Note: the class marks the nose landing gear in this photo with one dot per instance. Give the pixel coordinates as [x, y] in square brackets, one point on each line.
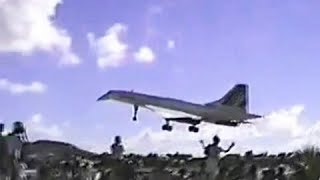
[135, 111]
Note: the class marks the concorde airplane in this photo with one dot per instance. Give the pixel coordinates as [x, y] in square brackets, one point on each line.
[230, 110]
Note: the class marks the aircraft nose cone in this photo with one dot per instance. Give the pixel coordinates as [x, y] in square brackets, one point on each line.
[104, 97]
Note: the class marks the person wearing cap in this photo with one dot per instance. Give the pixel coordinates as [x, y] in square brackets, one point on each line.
[212, 152]
[117, 148]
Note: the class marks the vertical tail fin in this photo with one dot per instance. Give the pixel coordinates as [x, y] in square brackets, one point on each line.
[237, 96]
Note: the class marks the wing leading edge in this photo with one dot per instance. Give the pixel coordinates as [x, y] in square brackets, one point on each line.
[170, 114]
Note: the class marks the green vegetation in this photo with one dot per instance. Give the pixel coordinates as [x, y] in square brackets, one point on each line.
[311, 158]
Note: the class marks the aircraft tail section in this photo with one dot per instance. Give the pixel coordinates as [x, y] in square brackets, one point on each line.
[237, 96]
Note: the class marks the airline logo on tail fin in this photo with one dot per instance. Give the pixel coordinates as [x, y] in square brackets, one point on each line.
[237, 96]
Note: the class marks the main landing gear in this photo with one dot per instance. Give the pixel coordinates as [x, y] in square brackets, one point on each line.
[167, 127]
[193, 129]
[135, 111]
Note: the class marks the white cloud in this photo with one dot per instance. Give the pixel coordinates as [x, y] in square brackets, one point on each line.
[144, 55]
[27, 26]
[110, 50]
[282, 130]
[18, 88]
[285, 121]
[171, 44]
[38, 128]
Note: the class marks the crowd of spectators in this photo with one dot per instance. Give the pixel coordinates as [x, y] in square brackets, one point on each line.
[117, 165]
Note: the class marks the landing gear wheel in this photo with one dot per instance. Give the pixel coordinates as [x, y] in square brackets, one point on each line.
[190, 128]
[134, 118]
[193, 129]
[166, 127]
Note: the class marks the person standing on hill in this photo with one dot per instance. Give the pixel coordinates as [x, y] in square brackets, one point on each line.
[212, 152]
[117, 149]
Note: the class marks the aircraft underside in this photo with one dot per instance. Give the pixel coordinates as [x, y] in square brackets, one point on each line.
[167, 126]
[193, 122]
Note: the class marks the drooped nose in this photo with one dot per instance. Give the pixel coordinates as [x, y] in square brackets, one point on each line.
[106, 96]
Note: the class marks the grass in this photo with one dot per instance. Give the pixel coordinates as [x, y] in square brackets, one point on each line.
[311, 158]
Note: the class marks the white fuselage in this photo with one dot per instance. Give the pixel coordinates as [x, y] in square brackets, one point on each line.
[211, 113]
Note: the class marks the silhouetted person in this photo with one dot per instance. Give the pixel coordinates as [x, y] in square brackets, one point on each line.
[212, 152]
[249, 155]
[20, 131]
[1, 129]
[5, 168]
[14, 146]
[117, 148]
[280, 175]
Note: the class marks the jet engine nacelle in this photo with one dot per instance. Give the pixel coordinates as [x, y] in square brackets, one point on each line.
[228, 123]
[187, 120]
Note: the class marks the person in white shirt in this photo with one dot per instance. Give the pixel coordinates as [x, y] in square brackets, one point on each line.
[212, 152]
[14, 146]
[117, 148]
[10, 147]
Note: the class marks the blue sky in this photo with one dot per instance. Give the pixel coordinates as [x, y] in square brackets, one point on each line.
[271, 45]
